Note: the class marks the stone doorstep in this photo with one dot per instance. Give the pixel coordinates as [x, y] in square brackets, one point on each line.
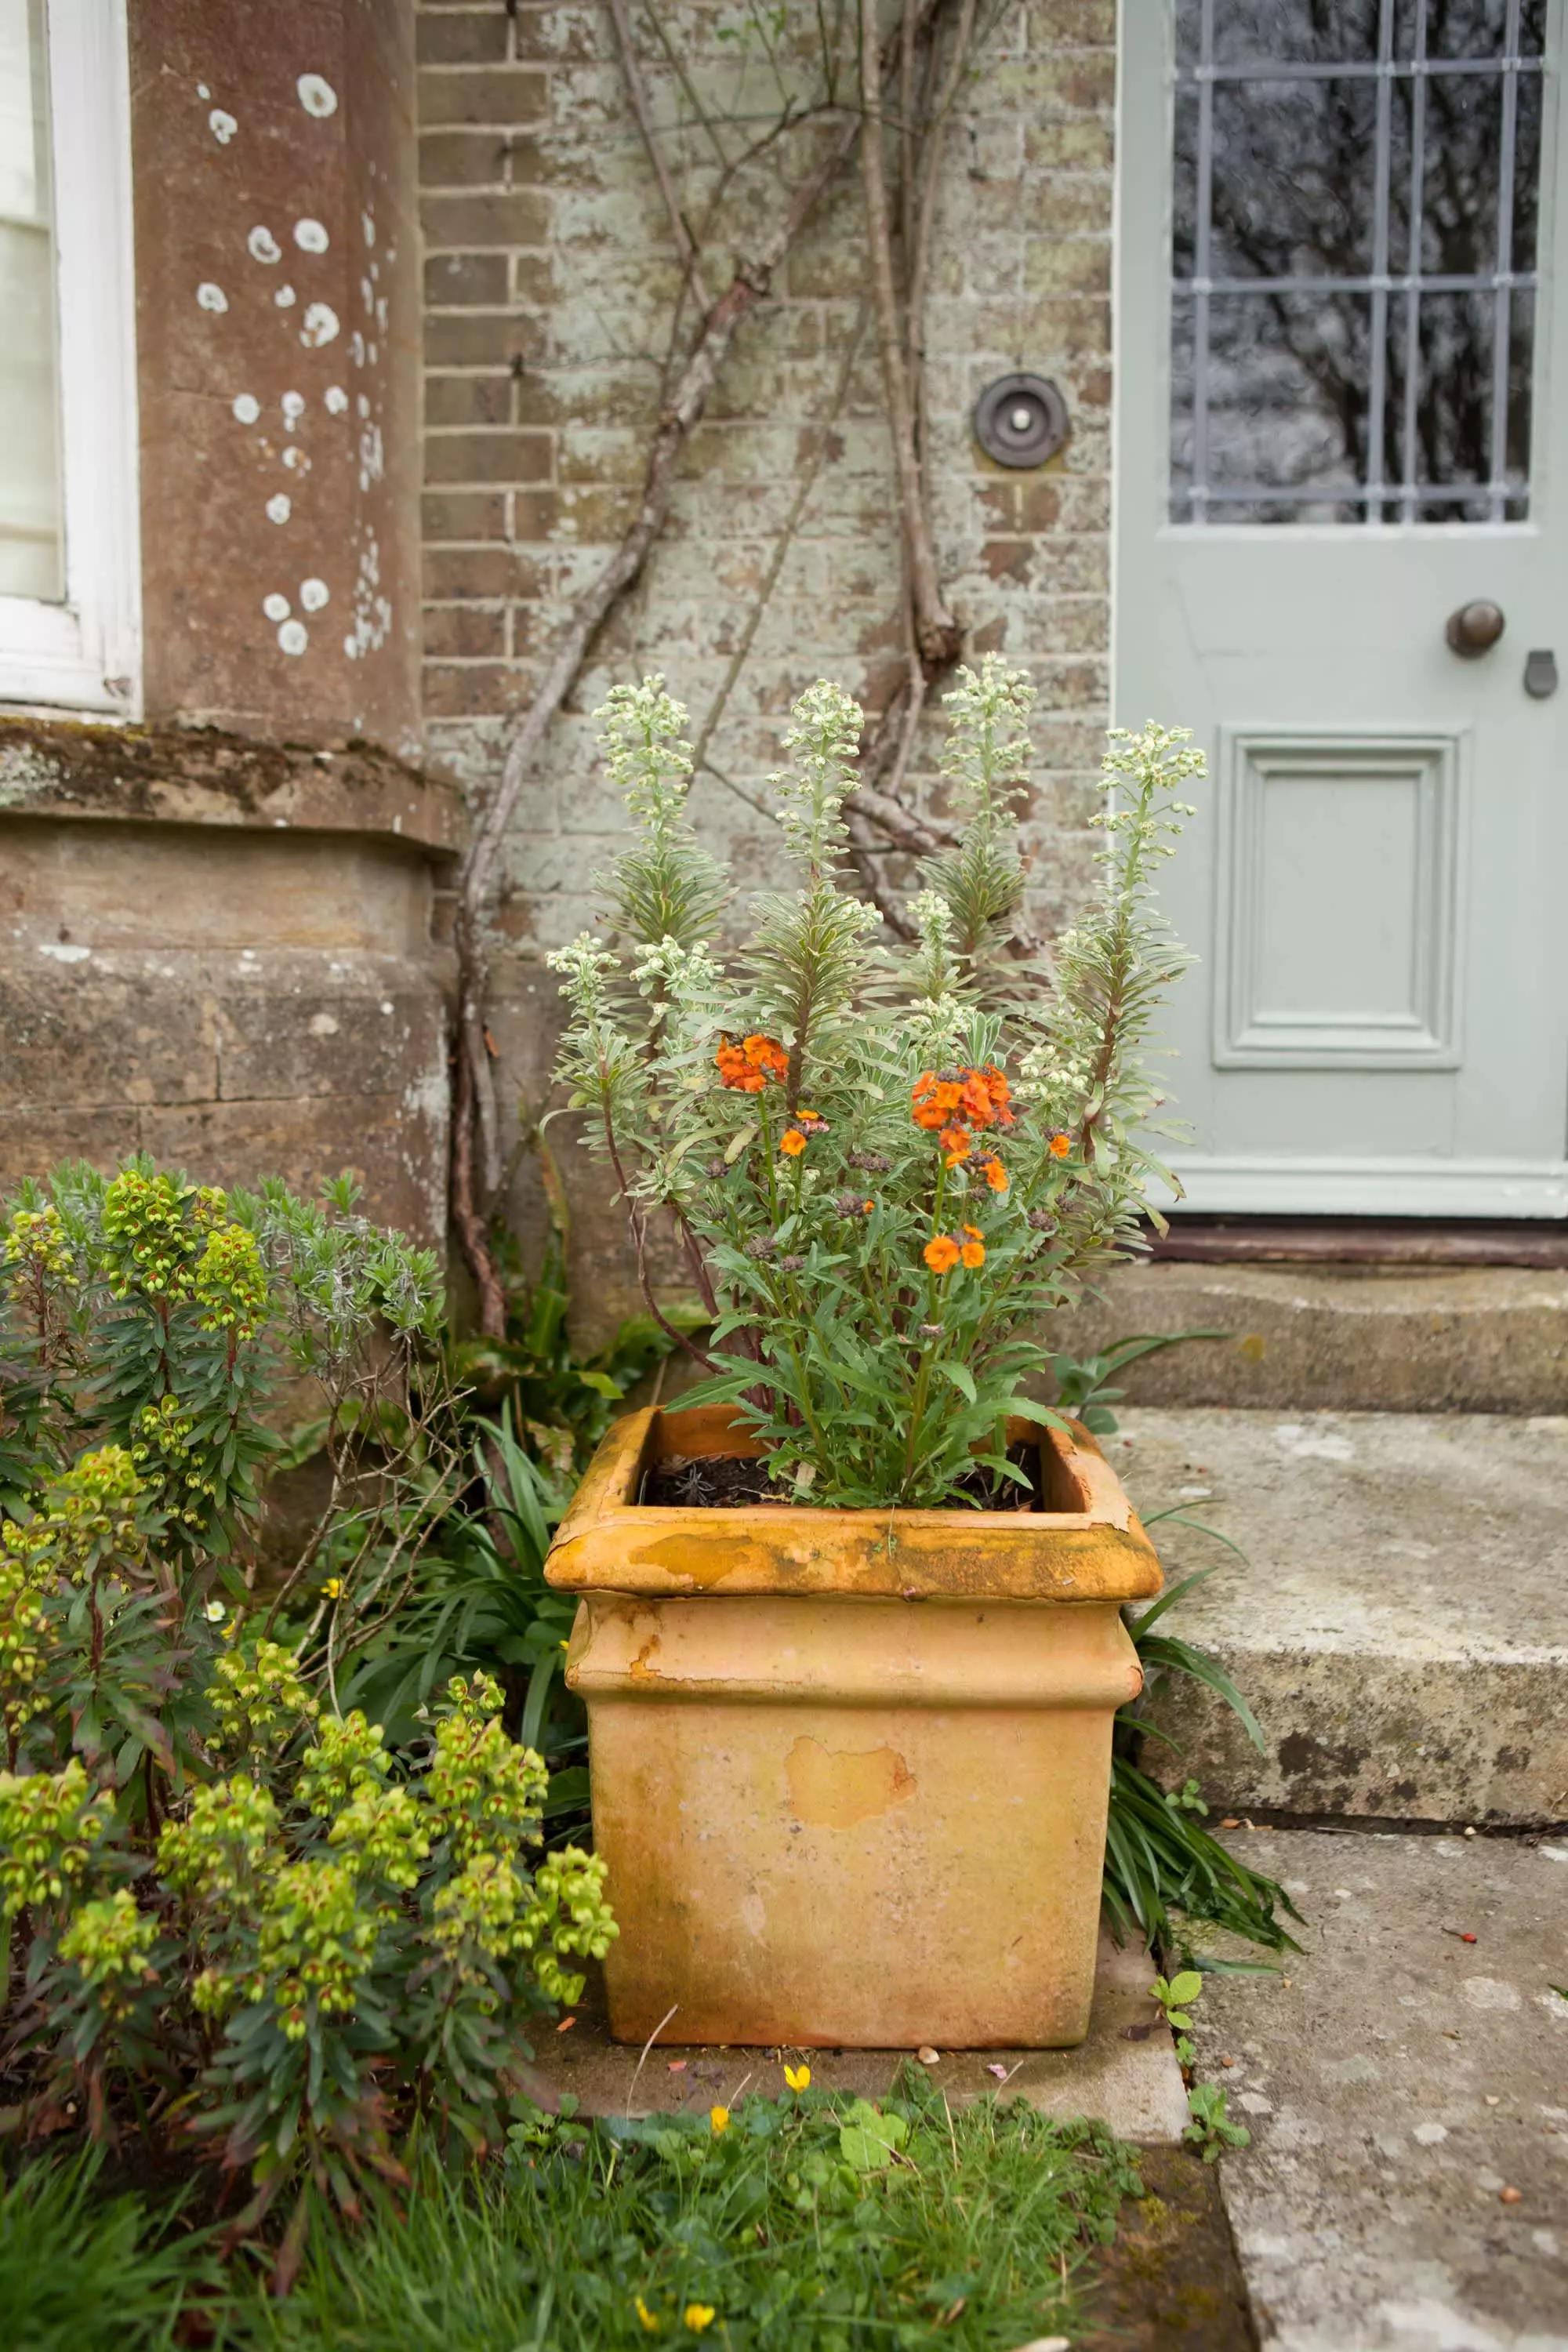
[1396, 1623]
[1125, 2072]
[1397, 2079]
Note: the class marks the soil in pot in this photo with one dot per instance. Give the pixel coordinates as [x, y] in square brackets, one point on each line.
[731, 1482]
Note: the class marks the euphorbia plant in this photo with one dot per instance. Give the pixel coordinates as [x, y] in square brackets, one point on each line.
[885, 1168]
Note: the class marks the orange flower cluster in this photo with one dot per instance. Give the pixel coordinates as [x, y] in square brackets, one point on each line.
[1060, 1145]
[955, 1105]
[748, 1066]
[969, 1098]
[944, 1250]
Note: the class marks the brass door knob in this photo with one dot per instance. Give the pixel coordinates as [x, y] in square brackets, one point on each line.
[1475, 629]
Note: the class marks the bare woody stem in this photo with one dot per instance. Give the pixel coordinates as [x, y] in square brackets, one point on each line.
[937, 632]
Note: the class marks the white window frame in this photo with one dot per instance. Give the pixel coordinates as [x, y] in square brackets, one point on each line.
[86, 652]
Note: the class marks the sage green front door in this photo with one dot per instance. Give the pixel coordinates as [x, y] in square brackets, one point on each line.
[1341, 457]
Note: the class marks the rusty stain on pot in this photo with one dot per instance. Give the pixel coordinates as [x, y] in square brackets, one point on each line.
[831, 1788]
[639, 1669]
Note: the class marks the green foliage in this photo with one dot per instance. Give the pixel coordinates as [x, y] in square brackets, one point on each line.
[1175, 1996]
[1211, 2130]
[220, 1881]
[81, 2271]
[1159, 1860]
[1083, 1383]
[969, 2229]
[884, 1170]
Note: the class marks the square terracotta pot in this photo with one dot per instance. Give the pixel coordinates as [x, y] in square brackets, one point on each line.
[850, 1769]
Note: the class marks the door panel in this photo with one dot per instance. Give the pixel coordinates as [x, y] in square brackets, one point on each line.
[1336, 342]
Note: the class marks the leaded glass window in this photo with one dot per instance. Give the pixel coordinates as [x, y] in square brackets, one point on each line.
[1354, 256]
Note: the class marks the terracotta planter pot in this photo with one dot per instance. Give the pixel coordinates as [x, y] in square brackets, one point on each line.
[850, 1767]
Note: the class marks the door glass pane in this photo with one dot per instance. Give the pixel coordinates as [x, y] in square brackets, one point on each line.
[1354, 181]
[32, 553]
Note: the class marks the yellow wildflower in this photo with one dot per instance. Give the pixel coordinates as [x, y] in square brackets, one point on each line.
[719, 2120]
[798, 2077]
[698, 2315]
[646, 2316]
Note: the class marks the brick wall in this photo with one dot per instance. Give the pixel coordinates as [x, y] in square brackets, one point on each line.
[548, 282]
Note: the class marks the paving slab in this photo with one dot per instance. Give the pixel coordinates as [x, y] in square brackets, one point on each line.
[1125, 2072]
[1397, 1620]
[1407, 2190]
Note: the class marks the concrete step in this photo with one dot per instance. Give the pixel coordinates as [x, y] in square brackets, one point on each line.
[1406, 2089]
[1397, 1621]
[1387, 1339]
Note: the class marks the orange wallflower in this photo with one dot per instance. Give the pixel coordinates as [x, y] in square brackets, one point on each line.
[940, 1253]
[748, 1066]
[1060, 1145]
[793, 1141]
[995, 1175]
[972, 1254]
[973, 1098]
[956, 1144]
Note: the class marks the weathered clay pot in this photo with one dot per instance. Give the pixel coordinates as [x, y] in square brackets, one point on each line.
[850, 1767]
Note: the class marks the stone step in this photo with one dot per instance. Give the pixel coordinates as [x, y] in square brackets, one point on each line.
[1404, 2079]
[1372, 1338]
[1397, 1620]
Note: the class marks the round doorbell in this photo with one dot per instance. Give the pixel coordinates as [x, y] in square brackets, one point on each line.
[1021, 420]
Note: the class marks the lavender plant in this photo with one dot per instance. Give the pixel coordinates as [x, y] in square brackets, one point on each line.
[884, 1168]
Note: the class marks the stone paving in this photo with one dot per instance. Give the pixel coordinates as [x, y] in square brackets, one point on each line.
[1406, 2088]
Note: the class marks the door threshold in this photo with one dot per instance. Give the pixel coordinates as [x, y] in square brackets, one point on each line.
[1363, 1241]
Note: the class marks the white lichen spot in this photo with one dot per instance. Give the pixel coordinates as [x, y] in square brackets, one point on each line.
[314, 593]
[386, 1005]
[372, 458]
[202, 91]
[381, 312]
[321, 326]
[363, 403]
[222, 125]
[324, 1024]
[293, 636]
[1430, 2134]
[317, 96]
[63, 954]
[337, 399]
[372, 354]
[356, 348]
[211, 296]
[294, 457]
[293, 406]
[279, 508]
[285, 297]
[311, 237]
[263, 245]
[246, 407]
[275, 606]
[367, 222]
[351, 647]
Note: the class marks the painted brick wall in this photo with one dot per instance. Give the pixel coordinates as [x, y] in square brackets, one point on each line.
[549, 283]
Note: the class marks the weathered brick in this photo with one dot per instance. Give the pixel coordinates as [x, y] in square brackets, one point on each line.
[462, 36]
[507, 96]
[513, 217]
[459, 575]
[463, 514]
[484, 339]
[468, 399]
[469, 689]
[463, 159]
[457, 281]
[481, 456]
[464, 632]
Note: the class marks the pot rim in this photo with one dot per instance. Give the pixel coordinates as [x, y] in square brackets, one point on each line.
[1095, 1551]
